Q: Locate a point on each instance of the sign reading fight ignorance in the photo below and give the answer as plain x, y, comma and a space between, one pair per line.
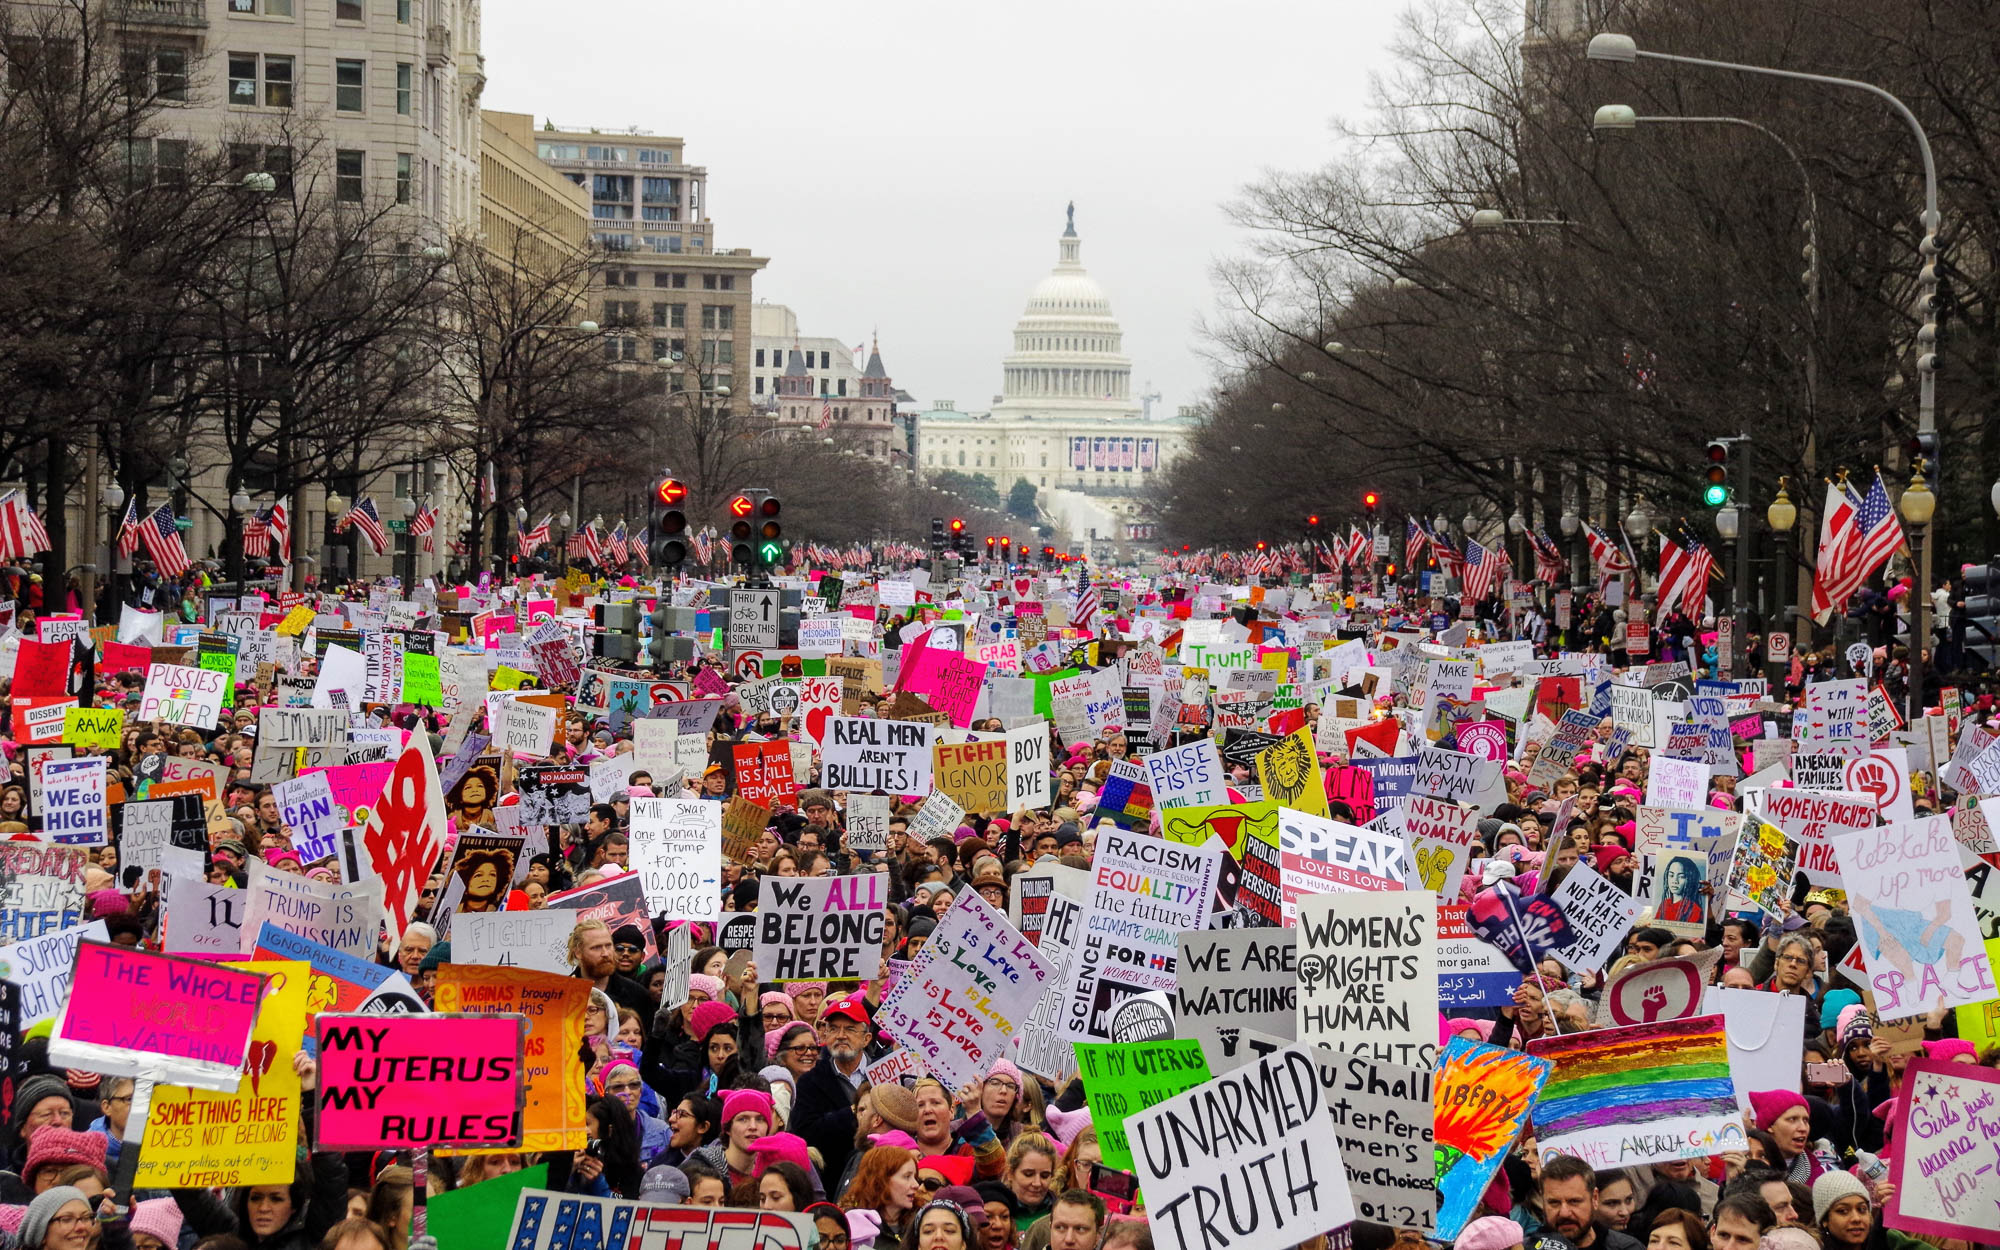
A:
397, 1082
133, 1013
820, 928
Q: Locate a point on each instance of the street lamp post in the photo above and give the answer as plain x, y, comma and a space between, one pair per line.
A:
1918, 505
1781, 516
409, 545
1623, 49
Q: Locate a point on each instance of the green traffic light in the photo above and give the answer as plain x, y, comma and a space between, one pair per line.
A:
1715, 495
770, 551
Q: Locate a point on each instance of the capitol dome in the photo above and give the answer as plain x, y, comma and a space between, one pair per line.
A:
1068, 347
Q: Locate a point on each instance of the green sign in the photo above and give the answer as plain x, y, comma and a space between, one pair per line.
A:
397, 526
1122, 1078
421, 683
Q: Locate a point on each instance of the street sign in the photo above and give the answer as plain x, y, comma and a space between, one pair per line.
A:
1779, 647
753, 619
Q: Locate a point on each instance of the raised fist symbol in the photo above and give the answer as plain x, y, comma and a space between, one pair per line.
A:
1653, 1002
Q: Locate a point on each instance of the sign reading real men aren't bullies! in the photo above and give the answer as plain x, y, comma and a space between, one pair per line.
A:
398, 1082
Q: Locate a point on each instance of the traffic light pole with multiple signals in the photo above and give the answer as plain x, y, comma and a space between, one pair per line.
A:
668, 526
756, 535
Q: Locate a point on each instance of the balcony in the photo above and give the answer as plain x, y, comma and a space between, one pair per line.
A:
437, 46
179, 14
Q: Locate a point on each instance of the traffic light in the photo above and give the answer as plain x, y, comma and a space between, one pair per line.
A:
741, 531
770, 533
1049, 557
1368, 501
991, 544
1715, 490
1006, 548
667, 536
1923, 446
937, 534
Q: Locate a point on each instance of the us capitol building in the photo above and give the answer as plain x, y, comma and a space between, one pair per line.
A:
1067, 419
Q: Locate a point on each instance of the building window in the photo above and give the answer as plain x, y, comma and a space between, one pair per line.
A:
402, 12
759, 386
621, 313
677, 316
660, 279
708, 282
961, 459
350, 85
760, 364
654, 212
617, 155
825, 360
269, 8
660, 190
611, 187
348, 175
661, 351
277, 82
347, 10
561, 152
843, 386
614, 242
403, 175
624, 347
406, 82
611, 212
275, 160
717, 317
680, 281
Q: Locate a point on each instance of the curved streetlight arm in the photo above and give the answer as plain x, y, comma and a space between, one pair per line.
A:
1902, 110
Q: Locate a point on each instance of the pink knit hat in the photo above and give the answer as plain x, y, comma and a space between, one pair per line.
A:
701, 982
774, 1038
709, 1016
779, 1147
160, 1217
738, 1101
775, 998
1951, 1048
1766, 1105
64, 1146
1067, 1124
1489, 1232
1005, 1068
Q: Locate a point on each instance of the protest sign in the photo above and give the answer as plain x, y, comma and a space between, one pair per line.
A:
677, 851
743, 823
306, 805
1143, 891
1676, 782
1884, 775
154, 826
291, 740
201, 919
1482, 1095
549, 1220
867, 822
1913, 911
536, 939
866, 753
1471, 972
40, 719
1440, 837
1675, 893
408, 1082
41, 889
1289, 773
1600, 915
1323, 855
820, 928
1187, 776
553, 795
527, 728
200, 1137
1028, 765
968, 994
406, 831
96, 727
553, 1111
1669, 1096
1943, 1168
618, 900
1761, 874
345, 917
180, 695
938, 817
75, 806
974, 774
1123, 1079
134, 1013
1368, 977
41, 968
764, 772
1230, 980
1216, 1145
477, 879
1041, 1045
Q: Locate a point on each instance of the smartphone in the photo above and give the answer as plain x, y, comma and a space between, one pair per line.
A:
1827, 1074
1118, 1189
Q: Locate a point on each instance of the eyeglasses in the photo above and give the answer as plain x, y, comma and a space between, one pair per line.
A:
1001, 1082
777, 1014
627, 946
623, 1088
807, 1049
116, 1098
74, 1220
930, 1182
828, 1241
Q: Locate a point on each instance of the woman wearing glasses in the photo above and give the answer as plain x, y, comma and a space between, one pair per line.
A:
59, 1219
621, 1081
830, 1222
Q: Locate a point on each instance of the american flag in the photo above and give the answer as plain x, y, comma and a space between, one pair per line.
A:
703, 547
1684, 570
163, 542
617, 544
532, 540
281, 530
640, 544
1549, 561
1450, 562
1083, 605
488, 493
424, 526
1607, 555
363, 515
128, 530
1360, 548
1415, 539
257, 535
825, 413
1481, 564
1857, 533
22, 533
585, 543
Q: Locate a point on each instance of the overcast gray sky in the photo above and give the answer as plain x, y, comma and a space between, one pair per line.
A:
904, 163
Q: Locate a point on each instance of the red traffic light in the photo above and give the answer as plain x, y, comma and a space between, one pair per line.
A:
670, 491
770, 506
1369, 499
1313, 519
957, 526
1261, 544
990, 541
740, 505
1006, 541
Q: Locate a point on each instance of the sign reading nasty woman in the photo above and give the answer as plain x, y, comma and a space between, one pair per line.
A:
397, 1082
177, 1020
